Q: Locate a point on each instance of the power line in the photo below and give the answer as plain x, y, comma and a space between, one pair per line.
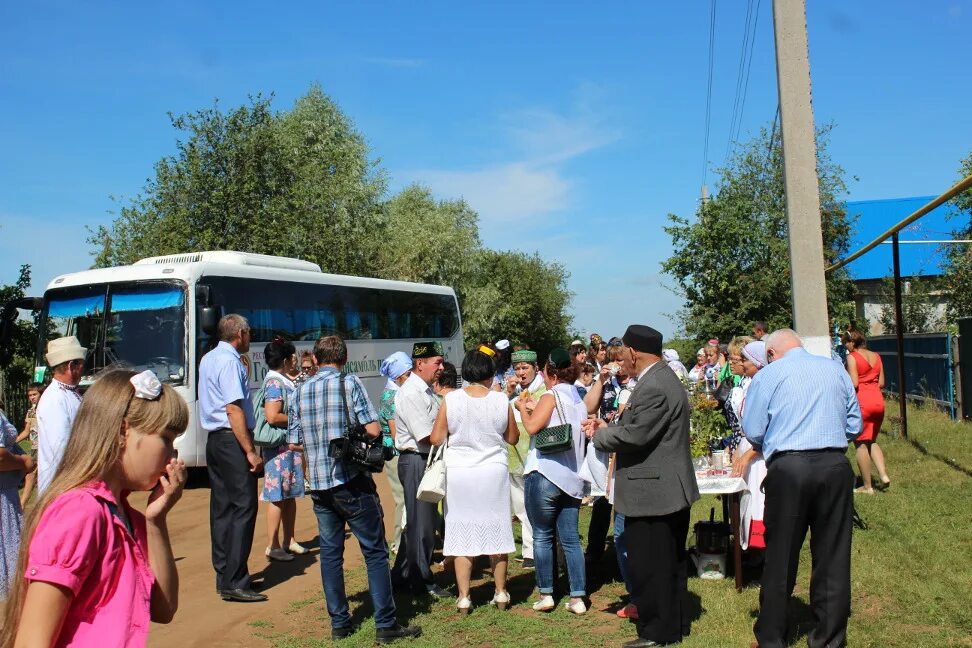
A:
708, 95
749, 67
739, 76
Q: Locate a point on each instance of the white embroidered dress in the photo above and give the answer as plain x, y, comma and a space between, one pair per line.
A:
478, 521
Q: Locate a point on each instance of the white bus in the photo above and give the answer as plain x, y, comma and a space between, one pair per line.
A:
161, 313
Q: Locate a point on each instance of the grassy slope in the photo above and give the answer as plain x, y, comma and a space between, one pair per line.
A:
911, 578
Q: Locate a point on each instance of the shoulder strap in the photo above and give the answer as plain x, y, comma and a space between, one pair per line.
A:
344, 399
560, 411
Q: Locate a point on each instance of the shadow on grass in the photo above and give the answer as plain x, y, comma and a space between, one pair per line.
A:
799, 620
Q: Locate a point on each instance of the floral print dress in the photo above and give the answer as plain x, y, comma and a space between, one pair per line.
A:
11, 515
283, 469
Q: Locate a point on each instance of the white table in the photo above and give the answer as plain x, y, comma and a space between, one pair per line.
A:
730, 488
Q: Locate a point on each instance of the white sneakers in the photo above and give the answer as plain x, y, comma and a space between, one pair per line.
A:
577, 607
545, 604
464, 605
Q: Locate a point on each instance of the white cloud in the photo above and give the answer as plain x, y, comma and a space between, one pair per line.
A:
502, 193
533, 181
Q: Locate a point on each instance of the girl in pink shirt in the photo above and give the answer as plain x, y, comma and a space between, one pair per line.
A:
96, 571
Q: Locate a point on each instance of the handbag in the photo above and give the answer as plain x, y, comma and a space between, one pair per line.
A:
557, 438
264, 434
724, 390
433, 485
356, 448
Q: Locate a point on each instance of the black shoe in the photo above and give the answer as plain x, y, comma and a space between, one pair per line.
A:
437, 592
389, 635
528, 563
242, 595
345, 632
641, 643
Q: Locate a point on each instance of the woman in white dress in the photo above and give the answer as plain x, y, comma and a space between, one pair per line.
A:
478, 424
747, 461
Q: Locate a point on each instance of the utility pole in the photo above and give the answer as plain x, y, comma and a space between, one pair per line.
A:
807, 280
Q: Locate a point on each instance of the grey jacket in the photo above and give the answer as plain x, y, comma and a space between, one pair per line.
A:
654, 472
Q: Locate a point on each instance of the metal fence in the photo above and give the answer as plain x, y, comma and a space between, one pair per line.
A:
928, 365
13, 400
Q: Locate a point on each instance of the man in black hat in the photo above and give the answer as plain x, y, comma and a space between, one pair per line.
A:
415, 410
655, 487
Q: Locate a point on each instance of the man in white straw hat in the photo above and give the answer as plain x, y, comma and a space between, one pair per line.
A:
58, 406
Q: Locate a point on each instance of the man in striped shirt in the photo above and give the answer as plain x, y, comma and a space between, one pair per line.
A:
801, 411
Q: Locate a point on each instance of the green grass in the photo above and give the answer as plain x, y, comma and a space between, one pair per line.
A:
911, 575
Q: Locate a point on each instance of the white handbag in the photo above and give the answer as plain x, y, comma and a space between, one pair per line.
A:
432, 487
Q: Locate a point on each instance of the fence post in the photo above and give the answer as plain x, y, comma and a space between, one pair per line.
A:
899, 329
955, 371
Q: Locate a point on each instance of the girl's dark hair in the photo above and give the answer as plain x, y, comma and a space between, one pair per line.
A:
502, 361
576, 349
477, 366
277, 352
449, 378
566, 375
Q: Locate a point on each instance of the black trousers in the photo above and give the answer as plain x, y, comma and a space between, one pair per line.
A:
597, 530
807, 490
657, 570
414, 560
232, 509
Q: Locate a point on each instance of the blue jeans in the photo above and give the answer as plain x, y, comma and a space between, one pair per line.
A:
355, 503
548, 508
621, 549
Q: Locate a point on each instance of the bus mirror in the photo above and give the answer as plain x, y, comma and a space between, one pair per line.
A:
203, 296
209, 319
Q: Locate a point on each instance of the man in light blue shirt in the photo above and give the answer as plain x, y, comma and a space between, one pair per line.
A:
226, 413
801, 411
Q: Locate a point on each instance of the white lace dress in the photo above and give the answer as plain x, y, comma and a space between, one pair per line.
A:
478, 521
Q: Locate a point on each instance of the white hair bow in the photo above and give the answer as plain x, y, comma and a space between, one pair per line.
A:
146, 385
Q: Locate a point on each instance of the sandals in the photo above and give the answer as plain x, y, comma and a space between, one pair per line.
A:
295, 548
501, 600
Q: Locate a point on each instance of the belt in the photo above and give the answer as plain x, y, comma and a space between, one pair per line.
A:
783, 453
424, 455
222, 431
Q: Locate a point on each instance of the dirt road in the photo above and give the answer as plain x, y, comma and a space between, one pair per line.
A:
206, 620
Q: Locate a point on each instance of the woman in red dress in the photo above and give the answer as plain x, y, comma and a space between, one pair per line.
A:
867, 373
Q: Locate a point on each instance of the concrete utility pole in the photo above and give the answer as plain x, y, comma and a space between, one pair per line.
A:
800, 176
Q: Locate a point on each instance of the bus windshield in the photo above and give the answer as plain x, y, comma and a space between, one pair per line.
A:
136, 325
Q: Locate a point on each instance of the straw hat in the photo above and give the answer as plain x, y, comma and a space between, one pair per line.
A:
64, 349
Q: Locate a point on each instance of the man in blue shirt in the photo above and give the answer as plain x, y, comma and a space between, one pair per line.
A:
801, 411
226, 413
343, 493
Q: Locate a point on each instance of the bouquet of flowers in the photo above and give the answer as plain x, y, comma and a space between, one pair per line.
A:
708, 426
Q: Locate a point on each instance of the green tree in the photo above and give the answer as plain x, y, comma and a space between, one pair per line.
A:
297, 184
18, 371
957, 279
919, 307
731, 261
428, 241
517, 296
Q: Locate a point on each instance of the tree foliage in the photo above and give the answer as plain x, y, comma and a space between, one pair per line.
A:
957, 279
919, 307
731, 261
518, 296
15, 376
302, 183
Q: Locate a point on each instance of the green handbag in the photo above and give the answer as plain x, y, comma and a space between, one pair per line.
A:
557, 438
264, 434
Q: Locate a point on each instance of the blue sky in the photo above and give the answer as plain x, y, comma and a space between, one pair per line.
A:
573, 129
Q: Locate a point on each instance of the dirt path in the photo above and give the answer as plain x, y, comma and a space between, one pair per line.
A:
206, 620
